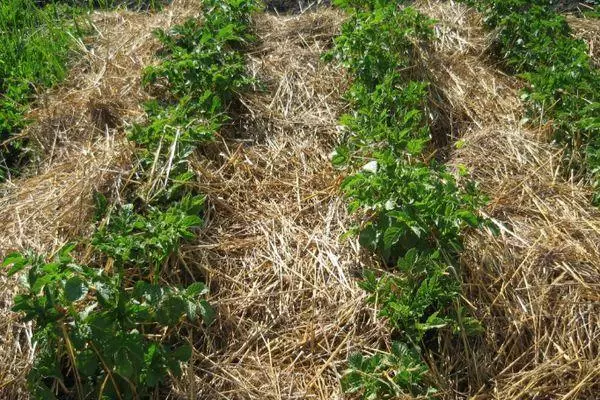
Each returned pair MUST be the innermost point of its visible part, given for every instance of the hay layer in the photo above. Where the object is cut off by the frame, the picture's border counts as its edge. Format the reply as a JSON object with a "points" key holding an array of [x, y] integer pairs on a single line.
{"points": [[280, 274], [534, 286]]}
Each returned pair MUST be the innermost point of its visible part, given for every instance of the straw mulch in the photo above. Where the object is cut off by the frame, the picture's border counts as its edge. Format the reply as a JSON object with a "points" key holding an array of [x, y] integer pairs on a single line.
{"points": [[281, 276], [79, 132], [587, 29], [534, 286]]}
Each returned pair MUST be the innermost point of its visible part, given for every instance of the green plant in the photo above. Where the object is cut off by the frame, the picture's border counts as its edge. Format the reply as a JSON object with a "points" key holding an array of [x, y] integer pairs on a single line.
{"points": [[144, 241], [201, 69], [563, 92], [109, 4], [94, 334], [592, 13], [413, 209], [37, 41], [387, 375]]}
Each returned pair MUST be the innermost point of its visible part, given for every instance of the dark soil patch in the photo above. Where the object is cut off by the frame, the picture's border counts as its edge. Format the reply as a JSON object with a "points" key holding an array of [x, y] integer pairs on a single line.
{"points": [[574, 5], [295, 6]]}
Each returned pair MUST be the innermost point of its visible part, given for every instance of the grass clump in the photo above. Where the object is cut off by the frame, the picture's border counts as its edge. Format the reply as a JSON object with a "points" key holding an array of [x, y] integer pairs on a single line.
{"points": [[414, 210], [35, 46]]}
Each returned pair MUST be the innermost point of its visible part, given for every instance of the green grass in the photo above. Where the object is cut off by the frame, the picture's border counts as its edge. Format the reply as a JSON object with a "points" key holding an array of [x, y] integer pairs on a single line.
{"points": [[35, 46]]}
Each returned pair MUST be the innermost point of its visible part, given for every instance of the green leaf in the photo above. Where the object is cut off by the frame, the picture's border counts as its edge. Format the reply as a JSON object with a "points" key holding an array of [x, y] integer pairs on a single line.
{"points": [[101, 206], [391, 236], [87, 362], [469, 217], [368, 237], [123, 364], [183, 353], [208, 312], [171, 310], [415, 147], [17, 261], [196, 289], [75, 289]]}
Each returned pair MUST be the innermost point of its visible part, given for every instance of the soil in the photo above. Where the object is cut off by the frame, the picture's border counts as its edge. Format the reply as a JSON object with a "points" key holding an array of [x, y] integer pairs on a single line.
{"points": [[295, 6]]}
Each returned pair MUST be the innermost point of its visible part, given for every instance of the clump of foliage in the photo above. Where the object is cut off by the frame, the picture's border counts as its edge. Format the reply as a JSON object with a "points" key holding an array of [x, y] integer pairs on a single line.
{"points": [[564, 87], [385, 374], [414, 209], [146, 240], [97, 327], [202, 68], [91, 331], [35, 45]]}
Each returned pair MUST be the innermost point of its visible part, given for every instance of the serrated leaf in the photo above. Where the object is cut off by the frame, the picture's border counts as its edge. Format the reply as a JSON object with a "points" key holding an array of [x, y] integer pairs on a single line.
{"points": [[75, 289]]}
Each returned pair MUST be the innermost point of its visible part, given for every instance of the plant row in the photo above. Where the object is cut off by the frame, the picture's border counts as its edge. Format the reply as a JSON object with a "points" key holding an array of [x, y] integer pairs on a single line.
{"points": [[114, 328], [563, 86], [413, 210]]}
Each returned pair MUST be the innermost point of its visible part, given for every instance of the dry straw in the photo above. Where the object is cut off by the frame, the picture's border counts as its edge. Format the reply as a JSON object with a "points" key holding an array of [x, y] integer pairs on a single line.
{"points": [[535, 286], [79, 130], [281, 276]]}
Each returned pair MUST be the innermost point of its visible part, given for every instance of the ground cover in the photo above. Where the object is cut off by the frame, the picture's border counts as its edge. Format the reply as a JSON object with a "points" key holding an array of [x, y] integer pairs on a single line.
{"points": [[563, 84], [198, 183]]}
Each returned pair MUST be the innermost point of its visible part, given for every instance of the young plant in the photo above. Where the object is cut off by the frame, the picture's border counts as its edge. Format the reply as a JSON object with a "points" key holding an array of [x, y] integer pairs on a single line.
{"points": [[110, 332], [144, 242], [388, 375], [96, 337]]}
